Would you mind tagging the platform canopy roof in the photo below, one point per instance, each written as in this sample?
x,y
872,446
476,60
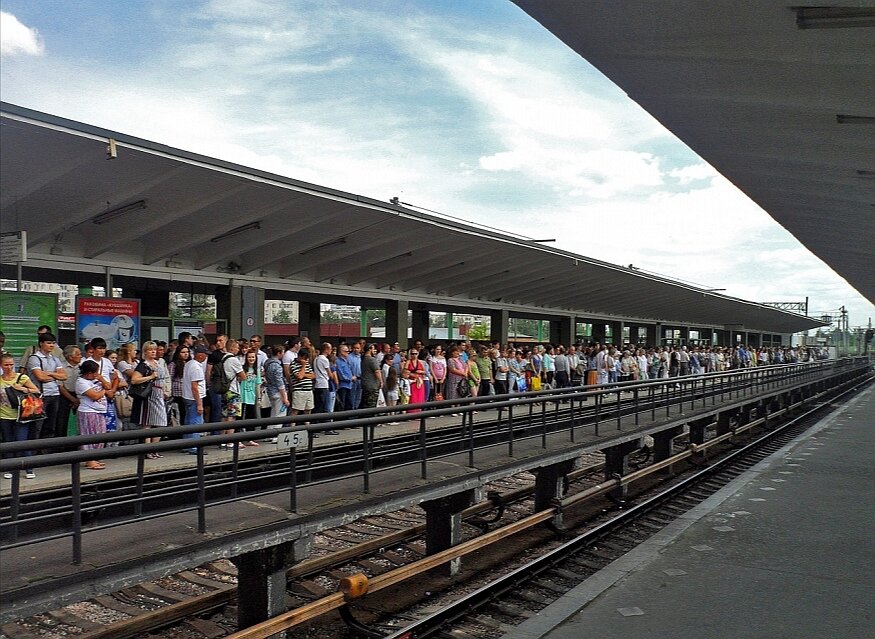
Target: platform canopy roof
x,y
778,96
160,213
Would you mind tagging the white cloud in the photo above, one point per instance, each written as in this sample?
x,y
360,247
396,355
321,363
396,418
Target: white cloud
x,y
692,173
373,104
17,39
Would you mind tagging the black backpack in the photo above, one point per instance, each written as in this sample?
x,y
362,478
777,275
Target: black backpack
x,y
219,382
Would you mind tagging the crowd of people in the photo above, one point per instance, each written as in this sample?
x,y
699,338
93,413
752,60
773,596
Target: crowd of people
x,y
87,390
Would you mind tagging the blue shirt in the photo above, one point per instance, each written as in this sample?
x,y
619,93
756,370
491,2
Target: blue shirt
x,y
355,365
344,374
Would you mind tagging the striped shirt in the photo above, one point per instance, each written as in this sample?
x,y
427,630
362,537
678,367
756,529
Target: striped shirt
x,y
305,384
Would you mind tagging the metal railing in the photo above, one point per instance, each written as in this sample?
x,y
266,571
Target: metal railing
x,y
524,416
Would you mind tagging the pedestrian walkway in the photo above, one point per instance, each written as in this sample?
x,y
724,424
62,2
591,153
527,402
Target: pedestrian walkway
x,y
784,551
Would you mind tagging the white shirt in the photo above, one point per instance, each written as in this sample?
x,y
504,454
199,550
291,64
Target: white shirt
x,y
321,367
193,372
86,404
288,357
232,367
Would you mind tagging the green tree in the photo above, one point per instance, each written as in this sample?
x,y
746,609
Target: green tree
x,y
478,332
282,317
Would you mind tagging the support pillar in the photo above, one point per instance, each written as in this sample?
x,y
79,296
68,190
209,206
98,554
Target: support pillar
x,y
443,525
498,321
310,322
599,334
662,442
685,335
744,414
697,430
562,331
651,340
243,308
420,325
261,577
550,486
450,328
617,462
724,422
396,322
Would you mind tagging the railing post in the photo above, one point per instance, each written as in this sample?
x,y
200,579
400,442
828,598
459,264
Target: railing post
x,y
510,431
543,422
235,459
367,433
76,496
635,392
619,409
470,436
201,492
141,476
293,480
423,453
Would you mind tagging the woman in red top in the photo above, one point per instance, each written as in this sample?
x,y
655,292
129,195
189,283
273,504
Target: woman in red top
x,y
416,372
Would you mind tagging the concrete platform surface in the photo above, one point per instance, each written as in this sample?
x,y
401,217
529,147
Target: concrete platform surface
x,y
785,551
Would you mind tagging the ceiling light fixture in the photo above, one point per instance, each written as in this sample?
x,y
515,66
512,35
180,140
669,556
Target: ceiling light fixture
x,y
313,249
834,17
237,231
854,119
112,214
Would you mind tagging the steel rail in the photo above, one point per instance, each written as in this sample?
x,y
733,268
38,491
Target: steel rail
x,y
432,623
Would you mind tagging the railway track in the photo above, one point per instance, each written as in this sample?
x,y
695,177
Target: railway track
x,y
375,545
511,598
45,514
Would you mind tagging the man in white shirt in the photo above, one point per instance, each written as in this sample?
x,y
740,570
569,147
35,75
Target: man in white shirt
x,y
291,354
194,390
322,368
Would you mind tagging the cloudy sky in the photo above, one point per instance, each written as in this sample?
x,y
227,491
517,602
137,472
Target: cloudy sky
x,y
470,109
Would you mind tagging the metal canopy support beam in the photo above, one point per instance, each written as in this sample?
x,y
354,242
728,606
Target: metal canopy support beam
x,y
396,322
309,323
562,331
443,525
498,324
420,324
261,580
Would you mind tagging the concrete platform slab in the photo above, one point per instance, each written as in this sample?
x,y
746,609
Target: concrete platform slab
x,y
797,561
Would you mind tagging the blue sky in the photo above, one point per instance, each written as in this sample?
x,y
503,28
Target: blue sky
x,y
468,108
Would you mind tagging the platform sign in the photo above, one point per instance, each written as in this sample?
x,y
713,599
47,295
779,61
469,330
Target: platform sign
x,y
115,319
21,313
13,247
291,440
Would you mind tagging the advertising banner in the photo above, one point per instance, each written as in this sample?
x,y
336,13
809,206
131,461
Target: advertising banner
x,y
21,313
115,319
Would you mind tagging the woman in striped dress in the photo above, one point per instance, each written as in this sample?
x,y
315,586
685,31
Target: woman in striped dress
x,y
152,411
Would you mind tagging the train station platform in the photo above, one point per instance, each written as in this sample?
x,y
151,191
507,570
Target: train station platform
x,y
784,551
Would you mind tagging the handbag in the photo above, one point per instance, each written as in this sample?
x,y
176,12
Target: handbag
x,y
140,391
31,408
536,383
14,396
124,403
264,400
462,388
381,399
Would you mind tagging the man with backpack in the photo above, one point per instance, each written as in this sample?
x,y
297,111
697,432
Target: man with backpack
x,y
215,359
